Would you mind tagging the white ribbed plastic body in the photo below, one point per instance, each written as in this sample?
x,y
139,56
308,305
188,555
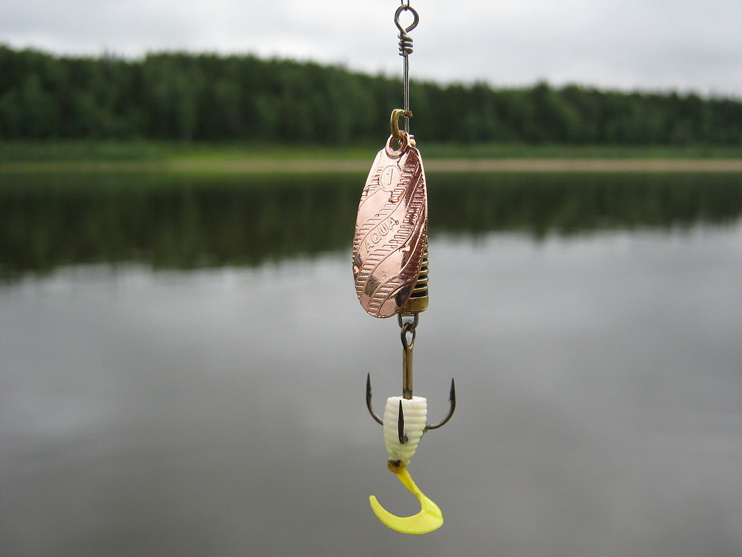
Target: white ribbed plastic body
x,y
415,413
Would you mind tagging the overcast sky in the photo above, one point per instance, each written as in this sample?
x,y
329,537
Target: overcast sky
x,y
628,44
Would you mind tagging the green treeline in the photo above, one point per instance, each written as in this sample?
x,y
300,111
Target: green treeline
x,y
210,97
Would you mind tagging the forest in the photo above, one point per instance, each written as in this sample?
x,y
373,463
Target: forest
x,y
210,97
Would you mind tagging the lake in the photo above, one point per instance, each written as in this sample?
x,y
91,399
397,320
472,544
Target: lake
x,y
183,363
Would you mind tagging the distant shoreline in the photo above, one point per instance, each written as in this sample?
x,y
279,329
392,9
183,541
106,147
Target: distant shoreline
x,y
298,166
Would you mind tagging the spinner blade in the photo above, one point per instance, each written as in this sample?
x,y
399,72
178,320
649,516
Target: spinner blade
x,y
391,229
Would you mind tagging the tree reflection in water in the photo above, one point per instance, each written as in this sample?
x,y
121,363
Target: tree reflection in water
x,y
182,222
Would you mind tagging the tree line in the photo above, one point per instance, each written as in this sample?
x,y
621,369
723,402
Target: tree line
x,y
209,97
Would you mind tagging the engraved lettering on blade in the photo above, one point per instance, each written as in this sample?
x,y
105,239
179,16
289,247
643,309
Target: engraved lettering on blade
x,y
381,232
389,177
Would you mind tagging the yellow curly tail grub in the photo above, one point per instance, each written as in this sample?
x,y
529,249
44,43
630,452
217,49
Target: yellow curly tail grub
x,y
428,519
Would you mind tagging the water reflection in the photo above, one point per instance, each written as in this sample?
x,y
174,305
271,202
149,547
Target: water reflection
x,y
169,222
190,222
565,204
219,410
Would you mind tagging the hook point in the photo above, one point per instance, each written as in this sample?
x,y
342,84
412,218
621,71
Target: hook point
x,y
451,409
400,425
368,401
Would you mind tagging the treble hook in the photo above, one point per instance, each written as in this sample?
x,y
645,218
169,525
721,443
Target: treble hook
x,y
402,435
408,327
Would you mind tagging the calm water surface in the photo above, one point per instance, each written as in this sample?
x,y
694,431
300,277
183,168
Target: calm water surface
x,y
182,369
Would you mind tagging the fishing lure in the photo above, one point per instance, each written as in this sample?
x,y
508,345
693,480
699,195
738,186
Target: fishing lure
x,y
390,268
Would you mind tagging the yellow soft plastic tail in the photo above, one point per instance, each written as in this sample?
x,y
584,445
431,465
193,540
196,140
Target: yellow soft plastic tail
x,y
428,519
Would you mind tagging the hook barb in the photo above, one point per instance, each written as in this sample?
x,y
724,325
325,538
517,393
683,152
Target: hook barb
x,y
452,407
368,401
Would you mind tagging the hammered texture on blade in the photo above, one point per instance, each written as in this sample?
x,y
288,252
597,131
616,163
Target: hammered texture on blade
x,y
391,230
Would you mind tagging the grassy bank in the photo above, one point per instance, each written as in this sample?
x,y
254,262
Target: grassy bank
x,y
73,156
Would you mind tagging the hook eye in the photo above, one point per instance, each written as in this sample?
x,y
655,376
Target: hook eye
x,y
415,21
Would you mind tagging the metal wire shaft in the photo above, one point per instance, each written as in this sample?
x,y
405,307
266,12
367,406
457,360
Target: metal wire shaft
x,y
405,49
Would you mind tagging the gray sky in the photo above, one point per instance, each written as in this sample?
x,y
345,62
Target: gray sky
x,y
627,44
